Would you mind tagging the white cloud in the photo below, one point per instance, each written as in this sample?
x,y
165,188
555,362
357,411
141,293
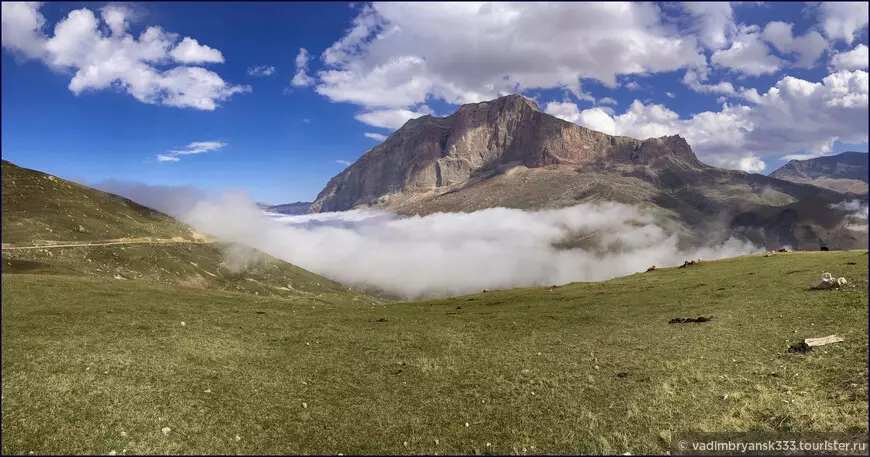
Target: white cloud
x,y
197,147
712,21
747,54
22,26
343,162
856,59
606,101
116,59
490,249
167,158
264,70
808,47
751,164
397,55
392,118
594,118
563,110
793,116
670,94
857,219
189,51
597,119
632,85
843,20
301,78
375,136
693,80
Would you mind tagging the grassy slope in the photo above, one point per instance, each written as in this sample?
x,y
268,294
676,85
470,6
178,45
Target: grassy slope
x,y
528,369
203,266
40,207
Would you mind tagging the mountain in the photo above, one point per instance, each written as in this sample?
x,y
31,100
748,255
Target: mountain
x,y
846,172
508,153
431,155
290,209
54,226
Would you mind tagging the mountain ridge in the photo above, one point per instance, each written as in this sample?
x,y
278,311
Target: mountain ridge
x,y
845,172
438,153
507,153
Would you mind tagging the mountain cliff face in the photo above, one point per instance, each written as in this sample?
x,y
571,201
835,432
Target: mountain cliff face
x,y
846,172
432,154
507,153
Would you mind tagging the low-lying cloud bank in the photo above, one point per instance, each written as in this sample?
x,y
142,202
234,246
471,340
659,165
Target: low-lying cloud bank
x,y
442,254
457,253
858,212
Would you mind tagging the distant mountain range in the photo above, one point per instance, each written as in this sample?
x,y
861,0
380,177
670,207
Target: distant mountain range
x,y
290,209
507,153
846,172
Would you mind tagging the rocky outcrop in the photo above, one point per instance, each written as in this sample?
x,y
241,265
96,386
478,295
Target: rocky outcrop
x,y
432,154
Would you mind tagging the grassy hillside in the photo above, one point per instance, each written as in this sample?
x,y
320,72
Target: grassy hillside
x,y
38,206
52,226
212,266
92,366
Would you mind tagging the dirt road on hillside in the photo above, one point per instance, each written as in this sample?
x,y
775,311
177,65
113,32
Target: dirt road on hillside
x,y
120,241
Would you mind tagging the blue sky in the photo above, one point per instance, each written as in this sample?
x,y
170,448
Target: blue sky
x,y
80,102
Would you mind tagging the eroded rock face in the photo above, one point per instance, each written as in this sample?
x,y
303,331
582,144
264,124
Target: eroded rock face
x,y
434,154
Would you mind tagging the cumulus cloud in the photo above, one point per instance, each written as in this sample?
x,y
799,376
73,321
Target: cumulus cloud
x,y
375,136
843,20
856,59
145,67
190,51
301,78
712,21
490,249
793,116
693,80
606,101
748,54
396,55
563,110
808,47
197,147
263,70
392,118
22,28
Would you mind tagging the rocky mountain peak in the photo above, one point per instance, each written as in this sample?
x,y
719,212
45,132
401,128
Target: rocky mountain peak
x,y
504,103
437,154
